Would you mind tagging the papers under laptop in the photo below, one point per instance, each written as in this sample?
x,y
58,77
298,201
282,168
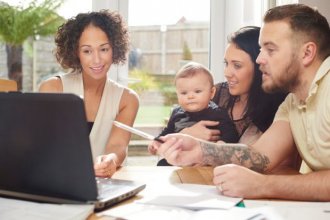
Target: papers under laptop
x,y
45,153
192,196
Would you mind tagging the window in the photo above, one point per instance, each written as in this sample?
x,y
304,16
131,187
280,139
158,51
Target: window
x,y
159,29
164,36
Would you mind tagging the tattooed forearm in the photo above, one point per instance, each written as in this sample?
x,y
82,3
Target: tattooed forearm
x,y
243,155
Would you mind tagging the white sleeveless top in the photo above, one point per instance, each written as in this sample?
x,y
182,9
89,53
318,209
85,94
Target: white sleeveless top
x,y
106,114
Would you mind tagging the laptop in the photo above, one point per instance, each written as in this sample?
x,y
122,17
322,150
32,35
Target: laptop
x,y
45,153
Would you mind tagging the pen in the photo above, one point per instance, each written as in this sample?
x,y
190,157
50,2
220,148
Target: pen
x,y
99,159
159,140
136,131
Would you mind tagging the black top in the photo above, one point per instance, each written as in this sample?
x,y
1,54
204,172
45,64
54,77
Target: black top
x,y
90,125
226,101
181,119
261,115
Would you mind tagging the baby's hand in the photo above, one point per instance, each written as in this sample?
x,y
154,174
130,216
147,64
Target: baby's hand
x,y
152,148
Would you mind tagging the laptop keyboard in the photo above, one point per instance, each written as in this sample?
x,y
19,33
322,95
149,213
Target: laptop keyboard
x,y
104,188
107,187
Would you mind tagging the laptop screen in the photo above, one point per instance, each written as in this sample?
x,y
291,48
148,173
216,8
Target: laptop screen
x,y
44,146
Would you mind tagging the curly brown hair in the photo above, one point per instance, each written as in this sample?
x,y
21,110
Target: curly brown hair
x,y
68,35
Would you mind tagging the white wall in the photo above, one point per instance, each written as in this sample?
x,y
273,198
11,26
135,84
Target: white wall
x,y
118,73
228,16
323,6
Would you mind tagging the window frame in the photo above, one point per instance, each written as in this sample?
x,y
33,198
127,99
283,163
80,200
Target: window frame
x,y
226,16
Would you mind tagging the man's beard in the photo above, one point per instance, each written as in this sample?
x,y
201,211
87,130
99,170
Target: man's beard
x,y
287,81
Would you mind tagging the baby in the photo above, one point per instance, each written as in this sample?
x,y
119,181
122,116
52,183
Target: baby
x,y
195,89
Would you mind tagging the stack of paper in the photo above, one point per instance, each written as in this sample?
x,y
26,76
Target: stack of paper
x,y
189,202
294,209
18,209
140,211
192,196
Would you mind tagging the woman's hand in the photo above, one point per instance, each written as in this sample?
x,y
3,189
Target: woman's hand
x,y
200,130
105,165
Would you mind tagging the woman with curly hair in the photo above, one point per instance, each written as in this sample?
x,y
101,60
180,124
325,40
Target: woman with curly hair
x,y
88,45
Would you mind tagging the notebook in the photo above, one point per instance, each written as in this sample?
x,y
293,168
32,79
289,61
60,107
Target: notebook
x,y
45,153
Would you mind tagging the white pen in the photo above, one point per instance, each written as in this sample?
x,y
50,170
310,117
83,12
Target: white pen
x,y
136,131
99,159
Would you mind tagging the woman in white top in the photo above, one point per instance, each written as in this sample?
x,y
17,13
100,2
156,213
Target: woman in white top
x,y
88,45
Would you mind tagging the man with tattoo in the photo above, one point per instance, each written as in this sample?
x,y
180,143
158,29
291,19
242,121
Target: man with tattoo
x,y
294,57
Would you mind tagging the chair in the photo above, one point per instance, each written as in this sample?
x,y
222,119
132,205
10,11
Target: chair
x,y
7,85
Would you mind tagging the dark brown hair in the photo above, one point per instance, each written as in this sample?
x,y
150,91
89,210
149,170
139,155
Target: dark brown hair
x,y
305,21
261,106
68,35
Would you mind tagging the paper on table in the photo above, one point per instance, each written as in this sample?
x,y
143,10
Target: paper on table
x,y
18,209
294,209
192,196
136,211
